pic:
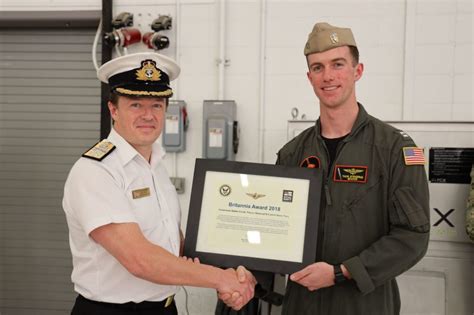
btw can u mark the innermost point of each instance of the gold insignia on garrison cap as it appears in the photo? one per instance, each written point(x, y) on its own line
point(334, 38)
point(325, 36)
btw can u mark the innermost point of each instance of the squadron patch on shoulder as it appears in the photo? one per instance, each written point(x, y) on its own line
point(100, 150)
point(413, 156)
point(350, 174)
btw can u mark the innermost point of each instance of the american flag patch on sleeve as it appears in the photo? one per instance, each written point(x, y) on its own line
point(413, 156)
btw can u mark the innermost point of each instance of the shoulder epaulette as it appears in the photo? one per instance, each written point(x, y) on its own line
point(404, 135)
point(100, 150)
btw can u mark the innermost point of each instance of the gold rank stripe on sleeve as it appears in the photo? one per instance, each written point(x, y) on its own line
point(100, 150)
point(413, 156)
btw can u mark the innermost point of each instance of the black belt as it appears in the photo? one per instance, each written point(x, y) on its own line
point(132, 305)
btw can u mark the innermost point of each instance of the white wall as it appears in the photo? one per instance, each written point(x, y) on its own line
point(418, 57)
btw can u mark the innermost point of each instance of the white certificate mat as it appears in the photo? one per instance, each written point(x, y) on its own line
point(253, 215)
point(257, 215)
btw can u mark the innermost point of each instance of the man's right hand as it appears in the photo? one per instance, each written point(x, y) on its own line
point(236, 295)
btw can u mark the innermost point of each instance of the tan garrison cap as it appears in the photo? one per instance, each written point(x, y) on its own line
point(325, 36)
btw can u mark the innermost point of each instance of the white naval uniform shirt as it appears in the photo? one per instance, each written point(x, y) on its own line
point(97, 193)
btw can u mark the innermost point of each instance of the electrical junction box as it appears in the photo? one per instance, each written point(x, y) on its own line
point(220, 130)
point(174, 138)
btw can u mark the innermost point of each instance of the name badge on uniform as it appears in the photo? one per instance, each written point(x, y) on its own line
point(140, 193)
point(350, 174)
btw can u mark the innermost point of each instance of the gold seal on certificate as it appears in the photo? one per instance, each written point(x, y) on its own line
point(258, 215)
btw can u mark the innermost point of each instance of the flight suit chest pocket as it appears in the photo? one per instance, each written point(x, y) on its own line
point(362, 219)
point(144, 206)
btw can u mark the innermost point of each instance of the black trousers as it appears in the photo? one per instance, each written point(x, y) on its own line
point(263, 290)
point(85, 306)
point(251, 308)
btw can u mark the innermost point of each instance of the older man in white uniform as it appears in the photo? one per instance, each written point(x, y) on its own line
point(123, 212)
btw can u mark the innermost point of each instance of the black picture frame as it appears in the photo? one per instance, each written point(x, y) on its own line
point(315, 182)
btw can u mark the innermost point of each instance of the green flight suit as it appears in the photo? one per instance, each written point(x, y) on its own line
point(375, 221)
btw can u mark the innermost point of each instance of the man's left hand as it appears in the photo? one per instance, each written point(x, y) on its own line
point(315, 276)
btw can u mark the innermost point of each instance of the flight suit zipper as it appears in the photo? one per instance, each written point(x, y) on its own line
point(327, 193)
point(322, 214)
point(322, 217)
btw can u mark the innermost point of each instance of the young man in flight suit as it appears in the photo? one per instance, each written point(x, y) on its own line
point(123, 212)
point(374, 221)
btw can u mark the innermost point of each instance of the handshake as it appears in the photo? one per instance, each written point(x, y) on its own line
point(237, 287)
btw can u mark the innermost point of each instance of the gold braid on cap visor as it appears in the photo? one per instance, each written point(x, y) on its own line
point(148, 93)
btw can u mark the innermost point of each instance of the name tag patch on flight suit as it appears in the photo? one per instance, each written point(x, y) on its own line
point(140, 193)
point(100, 150)
point(350, 174)
point(413, 156)
point(310, 162)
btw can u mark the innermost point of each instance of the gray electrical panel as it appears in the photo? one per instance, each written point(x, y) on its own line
point(220, 130)
point(174, 139)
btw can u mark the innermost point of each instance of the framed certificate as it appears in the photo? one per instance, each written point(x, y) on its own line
point(264, 217)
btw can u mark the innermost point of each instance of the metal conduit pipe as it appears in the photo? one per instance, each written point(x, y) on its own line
point(105, 122)
point(221, 60)
point(261, 78)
